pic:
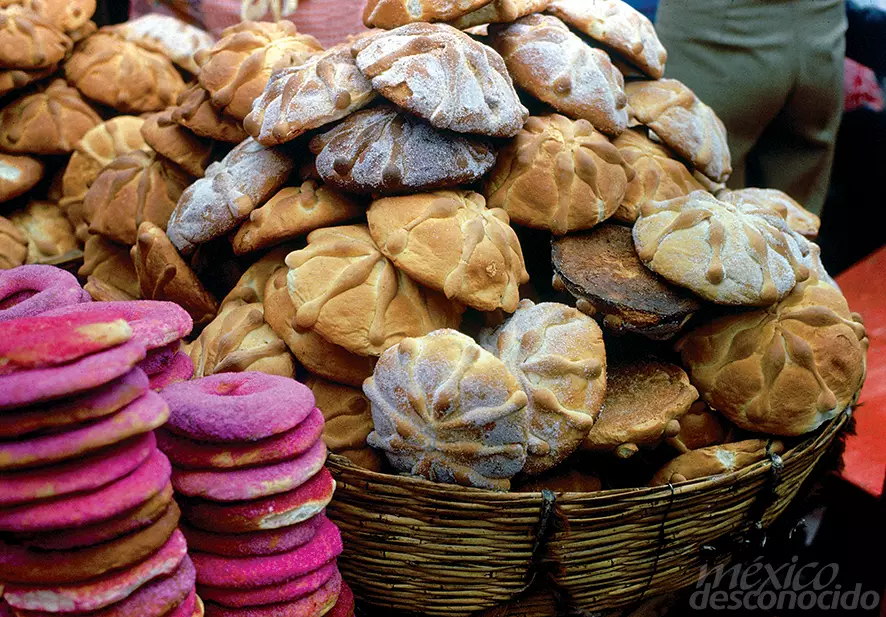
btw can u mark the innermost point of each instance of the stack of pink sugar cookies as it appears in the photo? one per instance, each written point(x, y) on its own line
point(248, 469)
point(88, 525)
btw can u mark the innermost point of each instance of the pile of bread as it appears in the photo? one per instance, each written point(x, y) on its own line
point(369, 215)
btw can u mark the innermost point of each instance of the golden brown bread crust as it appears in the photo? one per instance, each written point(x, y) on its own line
point(48, 122)
point(13, 245)
point(83, 32)
point(500, 12)
point(18, 175)
point(176, 143)
point(121, 74)
point(601, 270)
point(50, 235)
point(170, 36)
point(449, 241)
point(444, 76)
point(194, 111)
point(566, 478)
point(796, 216)
point(66, 15)
point(236, 70)
point(251, 285)
point(29, 41)
point(716, 460)
point(701, 427)
point(558, 174)
point(389, 14)
point(785, 369)
point(110, 266)
point(293, 212)
point(554, 65)
point(16, 79)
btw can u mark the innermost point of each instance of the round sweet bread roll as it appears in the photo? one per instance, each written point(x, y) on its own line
point(463, 420)
point(231, 188)
point(50, 236)
point(13, 245)
point(444, 76)
point(500, 12)
point(48, 122)
point(784, 370)
point(381, 150)
point(716, 460)
point(297, 99)
point(239, 340)
point(728, 254)
point(451, 242)
point(645, 400)
point(348, 419)
point(176, 143)
point(685, 124)
point(237, 68)
point(194, 111)
point(796, 216)
point(558, 174)
point(172, 37)
point(555, 66)
point(66, 15)
point(701, 427)
point(109, 267)
point(18, 175)
point(390, 14)
point(16, 79)
point(133, 188)
point(29, 41)
point(618, 26)
point(123, 75)
point(317, 355)
point(658, 176)
point(557, 355)
point(345, 289)
point(293, 212)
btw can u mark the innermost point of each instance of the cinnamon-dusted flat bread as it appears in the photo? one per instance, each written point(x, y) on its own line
point(251, 285)
point(554, 65)
point(176, 143)
point(688, 126)
point(29, 41)
point(16, 79)
point(18, 175)
point(784, 370)
point(48, 122)
point(326, 88)
point(133, 188)
point(239, 340)
point(236, 70)
point(343, 287)
point(701, 427)
point(657, 174)
point(444, 76)
point(231, 189)
point(293, 212)
point(348, 422)
point(558, 174)
point(390, 14)
point(451, 242)
point(13, 245)
point(315, 353)
point(124, 75)
point(796, 216)
point(172, 37)
point(194, 111)
point(601, 270)
point(381, 150)
point(728, 254)
point(66, 15)
point(110, 265)
point(164, 275)
point(500, 12)
point(50, 235)
point(716, 460)
point(557, 355)
point(645, 399)
point(618, 26)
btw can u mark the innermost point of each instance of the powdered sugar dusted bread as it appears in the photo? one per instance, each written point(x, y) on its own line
point(557, 355)
point(796, 216)
point(393, 13)
point(553, 64)
point(450, 241)
point(172, 37)
point(500, 12)
point(444, 76)
point(381, 150)
point(463, 420)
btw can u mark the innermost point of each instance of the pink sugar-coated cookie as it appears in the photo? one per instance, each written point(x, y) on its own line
point(91, 507)
point(101, 592)
point(154, 323)
point(25, 388)
point(158, 360)
point(313, 605)
point(181, 368)
point(39, 342)
point(345, 605)
point(285, 591)
point(87, 474)
point(92, 404)
point(270, 542)
point(260, 571)
point(274, 512)
point(140, 416)
point(31, 290)
point(237, 406)
point(251, 482)
point(184, 452)
point(188, 607)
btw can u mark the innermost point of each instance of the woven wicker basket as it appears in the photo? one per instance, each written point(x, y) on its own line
point(438, 549)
